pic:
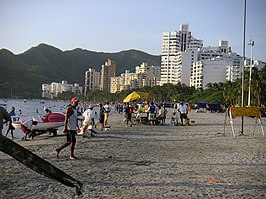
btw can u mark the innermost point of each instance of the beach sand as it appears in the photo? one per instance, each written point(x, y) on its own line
point(143, 161)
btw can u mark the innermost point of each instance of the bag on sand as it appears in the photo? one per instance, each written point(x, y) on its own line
point(187, 121)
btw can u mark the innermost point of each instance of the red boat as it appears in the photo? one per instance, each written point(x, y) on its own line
point(40, 125)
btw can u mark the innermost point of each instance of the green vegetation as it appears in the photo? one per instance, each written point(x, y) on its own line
point(22, 76)
point(221, 93)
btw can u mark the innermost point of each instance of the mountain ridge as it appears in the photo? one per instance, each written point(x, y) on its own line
point(25, 72)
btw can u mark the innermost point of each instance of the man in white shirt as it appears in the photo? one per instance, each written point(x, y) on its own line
point(182, 108)
point(88, 121)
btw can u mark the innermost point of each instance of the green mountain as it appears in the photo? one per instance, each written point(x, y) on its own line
point(22, 75)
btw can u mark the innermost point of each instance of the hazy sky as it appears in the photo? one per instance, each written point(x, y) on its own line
point(116, 25)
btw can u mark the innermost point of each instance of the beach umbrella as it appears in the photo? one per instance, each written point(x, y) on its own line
point(131, 97)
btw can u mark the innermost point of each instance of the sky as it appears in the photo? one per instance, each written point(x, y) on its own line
point(116, 25)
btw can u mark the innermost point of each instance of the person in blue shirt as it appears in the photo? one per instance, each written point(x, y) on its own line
point(10, 126)
point(101, 117)
point(151, 114)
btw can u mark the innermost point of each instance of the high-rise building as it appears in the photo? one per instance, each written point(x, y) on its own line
point(210, 71)
point(51, 90)
point(92, 80)
point(178, 55)
point(144, 76)
point(215, 64)
point(147, 75)
point(108, 71)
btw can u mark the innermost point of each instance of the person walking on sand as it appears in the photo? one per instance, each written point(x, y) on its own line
point(10, 126)
point(182, 108)
point(3, 116)
point(70, 128)
point(88, 116)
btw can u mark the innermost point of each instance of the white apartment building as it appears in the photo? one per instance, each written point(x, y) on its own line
point(144, 76)
point(116, 83)
point(92, 80)
point(178, 49)
point(147, 75)
point(51, 90)
point(122, 82)
point(218, 58)
point(255, 63)
point(214, 51)
point(210, 71)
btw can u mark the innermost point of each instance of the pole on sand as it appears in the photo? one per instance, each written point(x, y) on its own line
point(243, 61)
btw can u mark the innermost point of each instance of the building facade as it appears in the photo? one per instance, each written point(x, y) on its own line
point(147, 75)
point(108, 70)
point(51, 91)
point(144, 75)
point(215, 64)
point(92, 81)
point(210, 71)
point(177, 59)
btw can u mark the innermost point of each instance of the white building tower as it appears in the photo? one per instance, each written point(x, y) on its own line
point(92, 80)
point(178, 55)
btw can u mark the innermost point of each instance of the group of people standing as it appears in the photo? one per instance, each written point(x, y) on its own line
point(71, 126)
point(182, 108)
point(156, 114)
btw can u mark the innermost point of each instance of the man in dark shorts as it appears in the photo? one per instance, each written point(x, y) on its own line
point(101, 117)
point(128, 114)
point(71, 125)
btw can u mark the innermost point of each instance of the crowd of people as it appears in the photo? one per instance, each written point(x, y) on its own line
point(152, 114)
point(148, 113)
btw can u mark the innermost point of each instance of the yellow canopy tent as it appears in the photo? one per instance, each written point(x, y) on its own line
point(135, 96)
point(243, 111)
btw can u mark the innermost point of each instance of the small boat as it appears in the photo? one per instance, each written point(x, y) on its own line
point(40, 125)
point(25, 101)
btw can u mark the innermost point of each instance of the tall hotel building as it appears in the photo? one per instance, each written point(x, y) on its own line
point(215, 64)
point(92, 81)
point(108, 71)
point(179, 52)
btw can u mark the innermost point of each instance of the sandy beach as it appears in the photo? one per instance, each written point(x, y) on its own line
point(143, 161)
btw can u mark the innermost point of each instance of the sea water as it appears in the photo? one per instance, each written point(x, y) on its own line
point(35, 107)
point(31, 108)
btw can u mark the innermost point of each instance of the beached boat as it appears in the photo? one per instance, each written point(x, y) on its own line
point(40, 125)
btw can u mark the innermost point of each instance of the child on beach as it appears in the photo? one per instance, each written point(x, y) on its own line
point(174, 119)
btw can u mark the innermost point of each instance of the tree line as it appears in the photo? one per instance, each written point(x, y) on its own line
point(228, 93)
